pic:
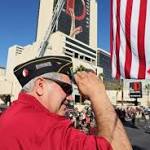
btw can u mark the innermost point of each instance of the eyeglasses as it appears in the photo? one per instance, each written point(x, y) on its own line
point(67, 88)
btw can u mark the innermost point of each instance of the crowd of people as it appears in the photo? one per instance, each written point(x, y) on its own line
point(83, 120)
point(133, 114)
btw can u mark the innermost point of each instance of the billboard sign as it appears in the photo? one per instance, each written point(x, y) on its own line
point(74, 19)
point(135, 90)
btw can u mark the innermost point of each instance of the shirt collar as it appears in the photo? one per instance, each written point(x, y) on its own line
point(35, 104)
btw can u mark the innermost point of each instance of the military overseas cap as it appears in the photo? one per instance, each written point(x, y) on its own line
point(36, 67)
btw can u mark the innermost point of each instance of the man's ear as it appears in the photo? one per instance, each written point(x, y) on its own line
point(39, 84)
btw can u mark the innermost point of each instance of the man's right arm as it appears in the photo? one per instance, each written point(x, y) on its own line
point(109, 125)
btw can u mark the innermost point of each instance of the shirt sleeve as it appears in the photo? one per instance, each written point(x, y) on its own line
point(76, 140)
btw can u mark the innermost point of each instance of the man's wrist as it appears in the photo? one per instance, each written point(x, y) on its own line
point(98, 94)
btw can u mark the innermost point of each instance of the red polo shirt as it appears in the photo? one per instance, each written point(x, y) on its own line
point(28, 125)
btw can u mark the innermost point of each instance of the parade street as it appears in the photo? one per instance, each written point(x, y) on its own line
point(139, 138)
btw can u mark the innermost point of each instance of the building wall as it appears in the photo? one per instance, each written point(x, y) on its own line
point(17, 55)
point(45, 16)
point(71, 47)
point(79, 57)
point(5, 84)
point(13, 53)
point(2, 72)
point(93, 24)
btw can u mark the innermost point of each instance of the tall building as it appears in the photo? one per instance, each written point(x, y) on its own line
point(103, 60)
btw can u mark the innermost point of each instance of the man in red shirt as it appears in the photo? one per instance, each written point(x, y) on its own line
point(36, 122)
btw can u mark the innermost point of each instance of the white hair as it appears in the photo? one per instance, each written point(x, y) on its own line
point(30, 85)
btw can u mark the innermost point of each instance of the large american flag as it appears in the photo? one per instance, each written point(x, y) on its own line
point(130, 39)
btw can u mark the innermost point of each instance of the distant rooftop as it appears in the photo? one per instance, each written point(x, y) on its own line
point(104, 51)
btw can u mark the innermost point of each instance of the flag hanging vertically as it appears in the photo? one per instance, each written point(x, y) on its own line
point(130, 39)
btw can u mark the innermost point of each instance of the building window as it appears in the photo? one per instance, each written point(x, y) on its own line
point(76, 55)
point(87, 59)
point(68, 55)
point(81, 57)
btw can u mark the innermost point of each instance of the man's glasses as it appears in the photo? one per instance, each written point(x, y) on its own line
point(67, 88)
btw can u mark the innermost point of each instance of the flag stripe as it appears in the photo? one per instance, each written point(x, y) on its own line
point(147, 40)
point(128, 39)
point(118, 40)
point(122, 38)
point(114, 27)
point(134, 34)
point(141, 38)
point(111, 29)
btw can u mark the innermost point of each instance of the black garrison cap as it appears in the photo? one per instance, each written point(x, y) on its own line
point(36, 67)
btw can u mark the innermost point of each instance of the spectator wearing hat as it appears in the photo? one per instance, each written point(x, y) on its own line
point(36, 120)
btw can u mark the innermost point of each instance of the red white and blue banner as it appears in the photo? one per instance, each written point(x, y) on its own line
point(130, 39)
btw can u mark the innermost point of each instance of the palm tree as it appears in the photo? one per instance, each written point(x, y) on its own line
point(147, 87)
point(80, 68)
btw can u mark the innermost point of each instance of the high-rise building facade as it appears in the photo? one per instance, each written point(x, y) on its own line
point(103, 60)
point(64, 15)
